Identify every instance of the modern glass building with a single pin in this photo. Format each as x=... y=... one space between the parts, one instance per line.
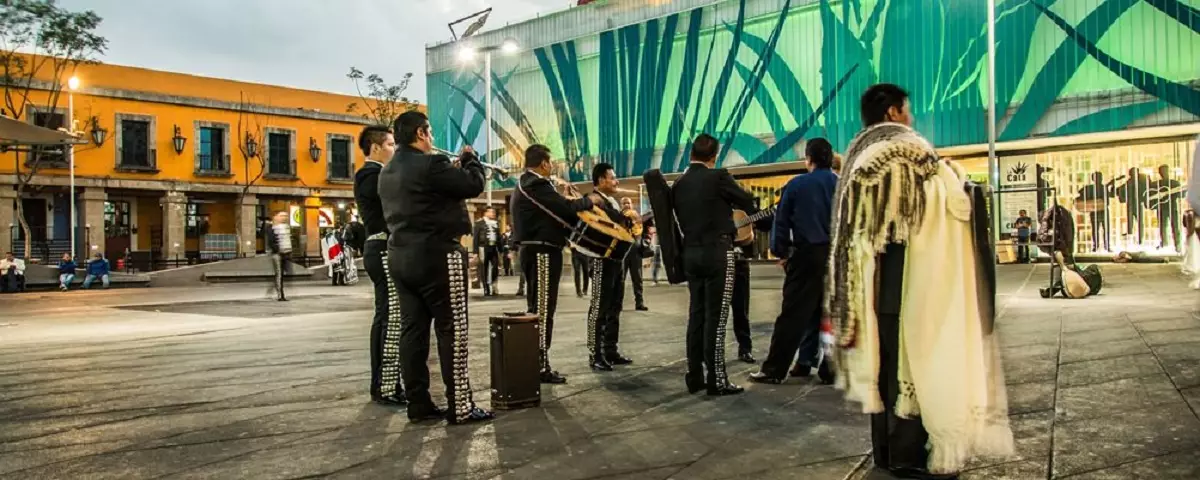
x=1097 y=102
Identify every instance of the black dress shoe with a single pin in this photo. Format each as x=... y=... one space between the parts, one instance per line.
x=726 y=389
x=694 y=383
x=397 y=399
x=601 y=365
x=617 y=359
x=760 y=377
x=825 y=373
x=801 y=370
x=642 y=308
x=475 y=415
x=551 y=376
x=421 y=413
x=747 y=357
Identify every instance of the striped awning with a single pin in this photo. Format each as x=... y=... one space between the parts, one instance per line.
x=15 y=133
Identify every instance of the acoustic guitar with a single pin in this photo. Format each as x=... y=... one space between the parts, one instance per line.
x=1161 y=197
x=745 y=224
x=1074 y=286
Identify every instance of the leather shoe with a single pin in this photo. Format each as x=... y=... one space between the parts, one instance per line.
x=421 y=413
x=551 y=376
x=476 y=414
x=747 y=357
x=726 y=389
x=642 y=308
x=602 y=365
x=617 y=359
x=801 y=370
x=397 y=399
x=825 y=373
x=694 y=383
x=760 y=377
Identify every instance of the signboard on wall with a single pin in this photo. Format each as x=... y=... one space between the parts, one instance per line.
x=1017 y=173
x=324 y=216
x=295 y=215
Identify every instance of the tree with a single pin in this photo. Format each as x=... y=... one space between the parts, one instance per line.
x=383 y=102
x=249 y=132
x=40 y=44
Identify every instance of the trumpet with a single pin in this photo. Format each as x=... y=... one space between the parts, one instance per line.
x=500 y=172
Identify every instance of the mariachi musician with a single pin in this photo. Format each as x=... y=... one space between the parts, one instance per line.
x=422 y=196
x=608 y=283
x=704 y=199
x=541 y=221
x=633 y=261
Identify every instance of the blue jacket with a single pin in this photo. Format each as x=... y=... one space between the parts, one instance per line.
x=66 y=267
x=97 y=267
x=804 y=211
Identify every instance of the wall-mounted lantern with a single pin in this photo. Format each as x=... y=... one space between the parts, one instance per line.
x=179 y=141
x=99 y=134
x=314 y=150
x=251 y=146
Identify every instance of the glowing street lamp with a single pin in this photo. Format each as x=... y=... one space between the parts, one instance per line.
x=467 y=54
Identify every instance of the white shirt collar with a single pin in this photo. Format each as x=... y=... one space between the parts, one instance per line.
x=375 y=162
x=536 y=173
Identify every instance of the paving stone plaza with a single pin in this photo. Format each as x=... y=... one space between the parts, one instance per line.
x=219 y=382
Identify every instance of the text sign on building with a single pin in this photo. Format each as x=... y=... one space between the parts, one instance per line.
x=1017 y=173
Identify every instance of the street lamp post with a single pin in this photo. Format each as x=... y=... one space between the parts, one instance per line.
x=466 y=54
x=72 y=84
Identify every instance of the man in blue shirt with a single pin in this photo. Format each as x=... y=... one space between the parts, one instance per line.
x=801 y=237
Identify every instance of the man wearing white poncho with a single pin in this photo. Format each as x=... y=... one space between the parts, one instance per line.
x=904 y=296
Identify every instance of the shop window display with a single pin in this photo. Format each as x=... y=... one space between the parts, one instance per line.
x=1122 y=199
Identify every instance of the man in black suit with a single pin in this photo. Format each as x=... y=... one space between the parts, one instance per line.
x=608 y=283
x=423 y=202
x=704 y=199
x=486 y=236
x=633 y=261
x=542 y=219
x=378 y=144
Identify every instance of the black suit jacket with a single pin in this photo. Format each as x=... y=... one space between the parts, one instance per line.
x=366 y=196
x=479 y=235
x=704 y=200
x=422 y=197
x=531 y=223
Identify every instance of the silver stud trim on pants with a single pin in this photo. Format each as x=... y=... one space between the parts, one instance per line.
x=458 y=304
x=543 y=307
x=726 y=298
x=389 y=367
x=594 y=308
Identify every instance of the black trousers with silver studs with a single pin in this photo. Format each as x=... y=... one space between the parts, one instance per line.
x=431 y=286
x=604 y=313
x=710 y=274
x=542 y=265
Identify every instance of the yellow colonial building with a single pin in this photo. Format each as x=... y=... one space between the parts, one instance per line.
x=174 y=163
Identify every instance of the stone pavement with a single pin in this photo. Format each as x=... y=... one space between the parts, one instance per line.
x=218 y=382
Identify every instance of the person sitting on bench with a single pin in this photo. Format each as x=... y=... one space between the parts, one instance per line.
x=12 y=274
x=97 y=267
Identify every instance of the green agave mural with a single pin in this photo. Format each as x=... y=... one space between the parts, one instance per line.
x=763 y=85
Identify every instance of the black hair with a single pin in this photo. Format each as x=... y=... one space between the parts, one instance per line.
x=536 y=154
x=820 y=152
x=878 y=99
x=372 y=135
x=489 y=207
x=408 y=124
x=599 y=172
x=705 y=147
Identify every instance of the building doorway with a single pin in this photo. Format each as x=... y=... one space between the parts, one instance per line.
x=117 y=234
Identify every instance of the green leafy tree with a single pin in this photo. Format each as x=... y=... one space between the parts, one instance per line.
x=40 y=45
x=383 y=102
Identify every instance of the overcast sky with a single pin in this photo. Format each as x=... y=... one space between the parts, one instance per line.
x=300 y=43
